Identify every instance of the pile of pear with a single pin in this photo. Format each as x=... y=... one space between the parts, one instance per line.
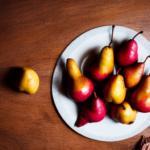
x=129 y=75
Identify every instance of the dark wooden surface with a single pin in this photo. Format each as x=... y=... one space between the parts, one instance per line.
x=34 y=34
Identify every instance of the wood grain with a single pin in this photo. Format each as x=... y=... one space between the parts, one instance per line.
x=34 y=34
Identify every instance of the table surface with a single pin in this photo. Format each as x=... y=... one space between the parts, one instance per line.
x=34 y=34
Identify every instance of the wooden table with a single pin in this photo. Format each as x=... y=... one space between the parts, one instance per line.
x=34 y=34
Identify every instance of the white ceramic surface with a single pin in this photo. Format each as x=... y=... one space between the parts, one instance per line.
x=80 y=49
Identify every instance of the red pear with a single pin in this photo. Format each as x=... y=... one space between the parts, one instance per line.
x=133 y=74
x=129 y=53
x=93 y=111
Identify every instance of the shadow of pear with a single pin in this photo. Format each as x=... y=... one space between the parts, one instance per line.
x=87 y=60
x=117 y=46
x=11 y=76
x=64 y=77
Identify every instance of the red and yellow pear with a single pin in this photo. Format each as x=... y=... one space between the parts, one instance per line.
x=79 y=87
x=103 y=68
x=115 y=90
x=123 y=113
x=133 y=74
x=141 y=96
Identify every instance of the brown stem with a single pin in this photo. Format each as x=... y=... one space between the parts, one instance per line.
x=118 y=70
x=146 y=58
x=137 y=34
x=131 y=122
x=123 y=107
x=112 y=35
x=95 y=95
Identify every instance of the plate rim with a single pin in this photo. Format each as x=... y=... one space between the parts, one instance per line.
x=57 y=101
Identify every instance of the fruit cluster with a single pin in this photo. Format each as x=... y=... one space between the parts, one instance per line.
x=129 y=75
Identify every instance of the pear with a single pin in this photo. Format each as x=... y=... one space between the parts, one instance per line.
x=123 y=113
x=28 y=82
x=133 y=74
x=141 y=96
x=93 y=111
x=129 y=53
x=79 y=87
x=115 y=90
x=104 y=66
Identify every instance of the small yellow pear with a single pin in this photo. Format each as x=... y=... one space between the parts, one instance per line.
x=115 y=90
x=123 y=113
x=28 y=82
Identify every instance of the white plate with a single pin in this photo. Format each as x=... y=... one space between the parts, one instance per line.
x=88 y=44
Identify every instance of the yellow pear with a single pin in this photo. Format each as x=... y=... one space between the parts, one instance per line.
x=123 y=113
x=115 y=90
x=28 y=82
x=103 y=68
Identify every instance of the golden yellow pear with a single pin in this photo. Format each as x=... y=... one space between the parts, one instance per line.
x=28 y=82
x=103 y=68
x=115 y=90
x=123 y=113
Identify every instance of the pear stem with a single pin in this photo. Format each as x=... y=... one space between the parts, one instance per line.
x=118 y=71
x=95 y=95
x=123 y=107
x=112 y=35
x=147 y=58
x=137 y=34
